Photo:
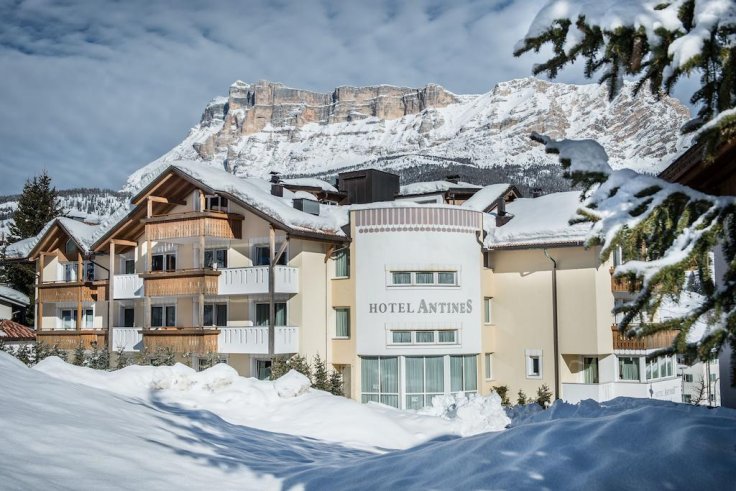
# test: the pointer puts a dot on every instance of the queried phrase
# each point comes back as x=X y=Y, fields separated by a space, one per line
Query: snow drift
x=154 y=434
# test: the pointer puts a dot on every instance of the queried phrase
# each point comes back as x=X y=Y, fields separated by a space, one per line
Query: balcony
x=72 y=291
x=254 y=280
x=180 y=282
x=127 y=286
x=665 y=389
x=71 y=339
x=127 y=338
x=659 y=340
x=254 y=340
x=194 y=224
x=623 y=284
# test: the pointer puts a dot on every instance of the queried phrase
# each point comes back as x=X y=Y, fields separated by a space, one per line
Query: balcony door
x=262 y=314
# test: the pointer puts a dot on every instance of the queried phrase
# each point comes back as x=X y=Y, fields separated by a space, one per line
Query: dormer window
x=216 y=203
x=70 y=248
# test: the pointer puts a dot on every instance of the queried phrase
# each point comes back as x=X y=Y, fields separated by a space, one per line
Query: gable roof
x=486 y=198
x=81 y=233
x=12 y=331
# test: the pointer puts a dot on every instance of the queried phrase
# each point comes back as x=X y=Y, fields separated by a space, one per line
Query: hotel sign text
x=423 y=307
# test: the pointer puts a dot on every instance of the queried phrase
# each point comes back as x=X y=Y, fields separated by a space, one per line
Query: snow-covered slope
x=264 y=127
x=57 y=434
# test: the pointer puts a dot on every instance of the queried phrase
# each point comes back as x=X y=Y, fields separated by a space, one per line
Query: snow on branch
x=665 y=230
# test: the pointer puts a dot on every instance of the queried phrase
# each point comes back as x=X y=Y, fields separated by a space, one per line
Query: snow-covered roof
x=22 y=248
x=256 y=193
x=539 y=221
x=434 y=187
x=82 y=233
x=311 y=182
x=484 y=199
x=14 y=296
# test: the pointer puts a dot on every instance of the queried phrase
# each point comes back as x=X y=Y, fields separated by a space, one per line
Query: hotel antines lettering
x=423 y=307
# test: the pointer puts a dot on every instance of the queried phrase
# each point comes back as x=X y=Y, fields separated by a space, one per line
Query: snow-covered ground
x=65 y=427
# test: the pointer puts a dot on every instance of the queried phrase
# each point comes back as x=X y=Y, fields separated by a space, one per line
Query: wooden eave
x=690 y=169
x=55 y=238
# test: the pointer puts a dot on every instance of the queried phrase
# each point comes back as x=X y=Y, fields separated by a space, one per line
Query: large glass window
x=163 y=262
x=342 y=322
x=89 y=319
x=163 y=315
x=660 y=367
x=215 y=258
x=628 y=368
x=463 y=373
x=380 y=380
x=590 y=370
x=425 y=378
x=342 y=263
x=262 y=314
x=262 y=256
x=69 y=319
x=215 y=314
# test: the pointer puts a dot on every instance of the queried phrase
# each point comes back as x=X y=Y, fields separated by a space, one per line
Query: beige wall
x=522 y=312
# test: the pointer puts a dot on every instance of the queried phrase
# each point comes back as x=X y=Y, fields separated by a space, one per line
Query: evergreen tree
x=37 y=205
x=663 y=229
x=544 y=396
x=320 y=379
x=279 y=367
x=503 y=393
x=79 y=356
x=122 y=359
x=336 y=383
x=521 y=398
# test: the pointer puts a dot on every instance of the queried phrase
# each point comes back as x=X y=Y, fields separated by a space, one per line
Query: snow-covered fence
x=233 y=281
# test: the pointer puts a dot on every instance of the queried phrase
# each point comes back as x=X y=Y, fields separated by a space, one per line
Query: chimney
x=277 y=188
x=502 y=218
x=453 y=178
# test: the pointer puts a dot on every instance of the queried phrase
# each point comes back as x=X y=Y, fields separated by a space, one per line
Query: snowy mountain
x=266 y=126
x=82 y=203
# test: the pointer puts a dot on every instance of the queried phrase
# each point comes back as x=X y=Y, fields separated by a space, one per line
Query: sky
x=91 y=90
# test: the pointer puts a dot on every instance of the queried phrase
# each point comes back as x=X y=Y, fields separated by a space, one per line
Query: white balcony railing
x=254 y=340
x=665 y=389
x=127 y=286
x=254 y=280
x=127 y=338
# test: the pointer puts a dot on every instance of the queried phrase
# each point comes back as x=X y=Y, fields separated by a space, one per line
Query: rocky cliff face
x=266 y=126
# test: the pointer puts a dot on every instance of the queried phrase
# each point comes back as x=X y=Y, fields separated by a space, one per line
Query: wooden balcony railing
x=658 y=340
x=69 y=340
x=193 y=224
x=181 y=339
x=623 y=284
x=73 y=291
x=180 y=282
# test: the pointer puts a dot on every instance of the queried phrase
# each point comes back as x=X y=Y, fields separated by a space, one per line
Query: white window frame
x=208 y=199
x=487 y=310
x=488 y=366
x=529 y=356
x=414 y=342
x=413 y=278
x=73 y=318
x=342 y=309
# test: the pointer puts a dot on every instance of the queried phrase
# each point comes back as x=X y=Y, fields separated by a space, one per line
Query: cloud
x=93 y=90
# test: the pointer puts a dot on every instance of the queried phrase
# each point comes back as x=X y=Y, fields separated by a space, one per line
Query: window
x=263 y=369
x=342 y=263
x=70 y=272
x=489 y=366
x=215 y=314
x=628 y=368
x=129 y=266
x=424 y=278
x=660 y=367
x=425 y=378
x=533 y=363
x=401 y=337
x=618 y=256
x=712 y=377
x=447 y=336
x=463 y=373
x=262 y=256
x=687 y=398
x=342 y=322
x=89 y=271
x=88 y=319
x=590 y=370
x=215 y=258
x=216 y=203
x=425 y=336
x=379 y=378
x=128 y=317
x=69 y=319
x=163 y=262
x=70 y=248
x=163 y=315
x=401 y=278
x=262 y=314
x=688 y=377
x=487 y=310
x=446 y=278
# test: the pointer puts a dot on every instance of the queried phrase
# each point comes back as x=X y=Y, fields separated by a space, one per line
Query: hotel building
x=435 y=288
